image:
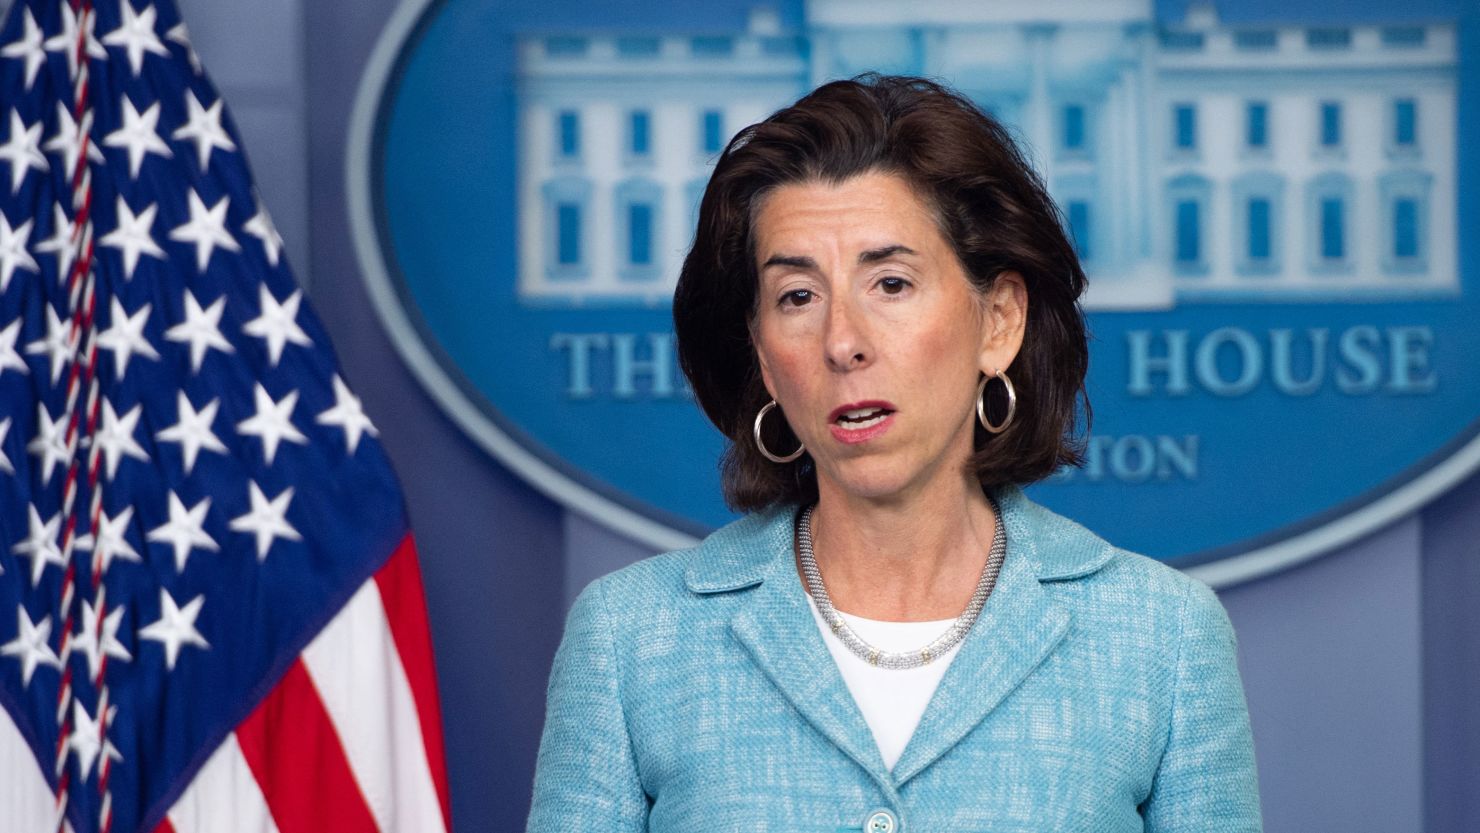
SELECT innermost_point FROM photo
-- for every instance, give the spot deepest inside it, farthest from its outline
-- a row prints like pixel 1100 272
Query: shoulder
pixel 1095 577
pixel 1143 591
pixel 738 555
pixel 1169 637
pixel 1136 606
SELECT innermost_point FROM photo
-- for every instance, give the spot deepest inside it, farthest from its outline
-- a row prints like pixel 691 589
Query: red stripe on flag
pixel 404 601
pixel 295 755
pixel 164 826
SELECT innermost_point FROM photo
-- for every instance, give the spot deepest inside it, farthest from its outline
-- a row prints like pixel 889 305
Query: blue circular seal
pixel 1281 305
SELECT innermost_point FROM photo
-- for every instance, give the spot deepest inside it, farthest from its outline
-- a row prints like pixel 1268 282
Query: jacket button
pixel 880 821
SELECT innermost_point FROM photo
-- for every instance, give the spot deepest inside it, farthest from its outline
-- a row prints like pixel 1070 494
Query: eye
pixel 893 285
pixel 797 298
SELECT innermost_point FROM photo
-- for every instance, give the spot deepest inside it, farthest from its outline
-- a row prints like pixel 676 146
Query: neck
pixel 914 557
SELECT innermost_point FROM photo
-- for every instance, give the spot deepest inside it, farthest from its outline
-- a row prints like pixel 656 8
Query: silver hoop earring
pixel 761 445
pixel 981 402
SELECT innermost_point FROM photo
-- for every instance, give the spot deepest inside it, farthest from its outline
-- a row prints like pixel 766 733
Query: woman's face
pixel 869 335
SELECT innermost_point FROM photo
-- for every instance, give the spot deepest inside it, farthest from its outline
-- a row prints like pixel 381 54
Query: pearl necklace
pixel 902 659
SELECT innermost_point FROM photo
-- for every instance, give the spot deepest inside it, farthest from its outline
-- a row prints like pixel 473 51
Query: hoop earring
pixel 761 445
pixel 981 402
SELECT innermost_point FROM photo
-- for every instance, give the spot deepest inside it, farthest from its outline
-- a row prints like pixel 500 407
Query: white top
pixel 892 700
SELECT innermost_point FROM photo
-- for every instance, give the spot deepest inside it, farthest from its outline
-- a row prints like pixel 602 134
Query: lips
pixel 858 422
pixel 855 413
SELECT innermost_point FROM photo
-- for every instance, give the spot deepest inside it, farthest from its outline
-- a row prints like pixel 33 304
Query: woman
pixel 880 311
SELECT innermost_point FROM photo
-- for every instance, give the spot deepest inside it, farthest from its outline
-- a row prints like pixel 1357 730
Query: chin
pixel 869 479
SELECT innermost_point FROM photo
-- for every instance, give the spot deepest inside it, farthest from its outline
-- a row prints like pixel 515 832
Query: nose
pixel 846 344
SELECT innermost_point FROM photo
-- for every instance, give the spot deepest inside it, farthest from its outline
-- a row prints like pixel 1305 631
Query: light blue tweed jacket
pixel 1098 691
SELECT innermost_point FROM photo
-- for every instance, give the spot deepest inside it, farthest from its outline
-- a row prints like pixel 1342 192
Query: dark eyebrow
pixel 884 253
pixel 870 256
pixel 794 261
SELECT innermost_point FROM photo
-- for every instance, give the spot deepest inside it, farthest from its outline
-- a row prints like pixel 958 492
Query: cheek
pixel 943 361
pixel 784 355
pixel 944 344
pixel 787 375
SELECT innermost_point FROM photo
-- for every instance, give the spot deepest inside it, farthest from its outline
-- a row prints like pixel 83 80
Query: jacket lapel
pixel 1018 627
pixel 776 626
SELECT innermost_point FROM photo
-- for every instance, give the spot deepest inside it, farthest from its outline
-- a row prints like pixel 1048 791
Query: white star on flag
pixel 8 357
pixel 59 343
pixel 175 627
pixel 139 135
pixel 65 41
pixel 347 414
pixel 180 34
pixel 32 645
pixel 132 236
pixel 261 227
pixel 116 437
pixel 201 328
pixel 86 740
pixel 206 229
pixel 126 336
pixel 273 422
pixel 124 169
pixel 193 430
pixel 278 323
pixel 5 464
pixel 50 443
pixel 97 642
pixel 68 139
pixel 23 150
pixel 109 542
pixel 185 530
pixel 204 128
pixel 136 34
pixel 28 48
pixel 41 544
pixel 60 242
pixel 267 519
pixel 13 254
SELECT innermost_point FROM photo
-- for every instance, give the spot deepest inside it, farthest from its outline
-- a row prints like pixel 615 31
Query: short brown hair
pixel 990 206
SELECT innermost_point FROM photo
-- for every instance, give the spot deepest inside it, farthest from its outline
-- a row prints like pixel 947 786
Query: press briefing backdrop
pixel 490 200
pixel 1266 213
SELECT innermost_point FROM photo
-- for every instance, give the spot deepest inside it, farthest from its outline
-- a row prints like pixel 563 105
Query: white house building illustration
pixel 1194 163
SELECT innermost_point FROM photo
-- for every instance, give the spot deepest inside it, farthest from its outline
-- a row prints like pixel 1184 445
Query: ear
pixel 1004 321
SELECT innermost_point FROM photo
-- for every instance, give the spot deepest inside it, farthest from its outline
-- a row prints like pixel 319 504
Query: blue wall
pixel 1362 668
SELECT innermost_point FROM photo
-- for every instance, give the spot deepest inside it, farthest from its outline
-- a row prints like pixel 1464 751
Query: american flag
pixel 211 615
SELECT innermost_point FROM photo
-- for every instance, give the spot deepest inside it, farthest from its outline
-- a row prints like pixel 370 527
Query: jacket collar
pixel 1016 631
pixel 1019 626
pixel 740 555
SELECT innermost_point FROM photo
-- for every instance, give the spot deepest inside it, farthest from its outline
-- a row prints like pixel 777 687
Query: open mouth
pixel 860 418
pixel 858 422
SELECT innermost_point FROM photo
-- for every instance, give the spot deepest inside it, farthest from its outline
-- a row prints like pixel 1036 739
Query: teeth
pixel 863 418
